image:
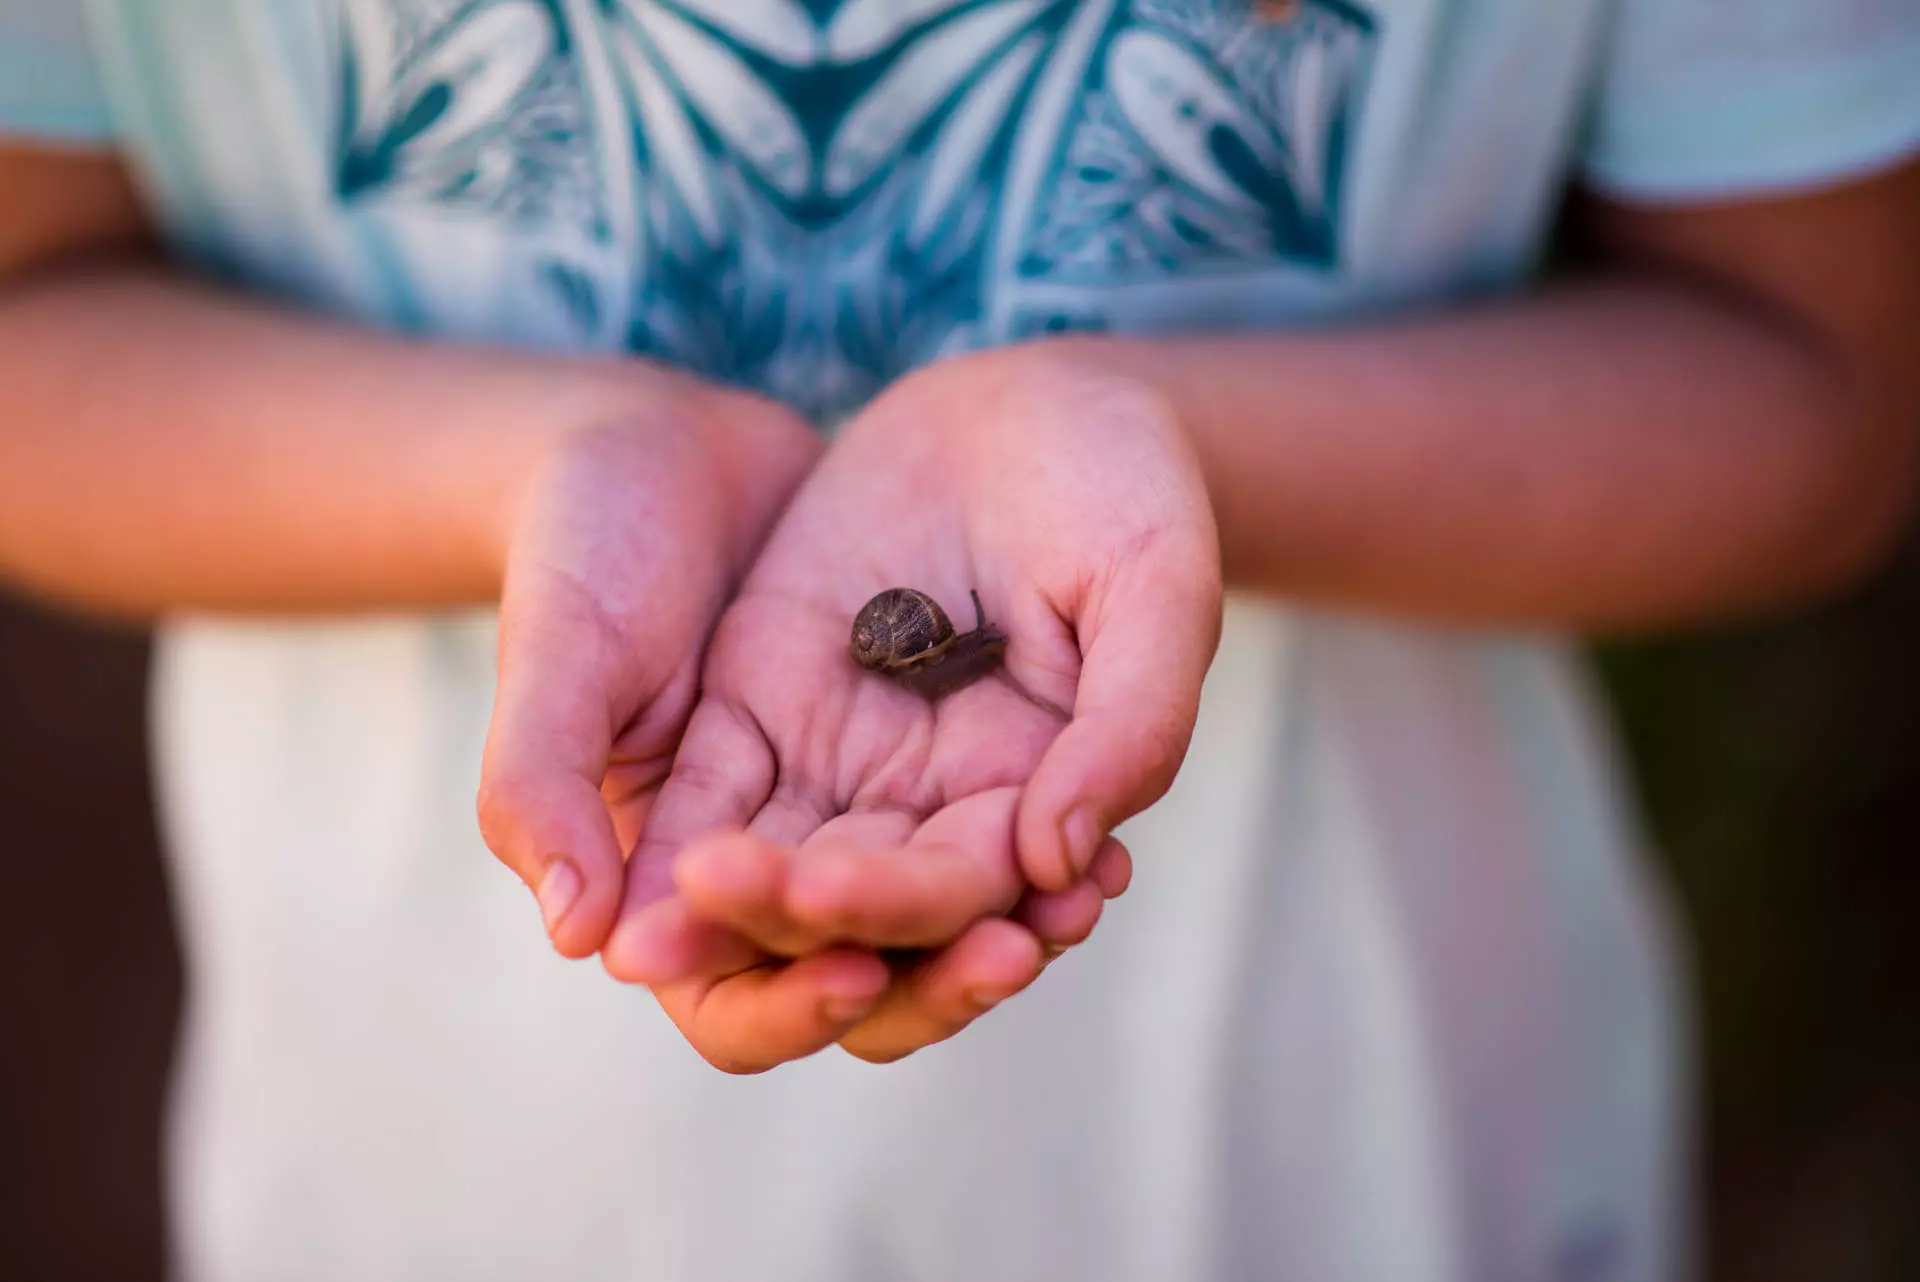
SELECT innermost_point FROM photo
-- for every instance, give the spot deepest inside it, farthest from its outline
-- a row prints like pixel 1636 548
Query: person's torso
pixel 811 197
pixel 1277 1044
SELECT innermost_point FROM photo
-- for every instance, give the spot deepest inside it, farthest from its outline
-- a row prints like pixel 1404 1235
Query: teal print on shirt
pixel 830 192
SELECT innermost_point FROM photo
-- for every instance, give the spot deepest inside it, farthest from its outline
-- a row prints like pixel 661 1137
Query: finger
pixel 771 1014
pixel 991 962
pixel 1062 919
pixel 740 880
pixel 955 869
pixel 721 776
pixel 667 942
pixel 1112 869
pixel 737 881
pixel 1147 649
pixel 540 807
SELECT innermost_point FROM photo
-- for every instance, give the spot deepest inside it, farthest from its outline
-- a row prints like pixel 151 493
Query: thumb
pixel 540 807
pixel 1146 650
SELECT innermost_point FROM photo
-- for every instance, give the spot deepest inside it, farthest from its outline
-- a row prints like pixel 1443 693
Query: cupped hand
pixel 621 550
pixel 817 811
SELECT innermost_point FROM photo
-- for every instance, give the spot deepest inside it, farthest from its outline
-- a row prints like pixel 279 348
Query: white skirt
pixel 1391 1000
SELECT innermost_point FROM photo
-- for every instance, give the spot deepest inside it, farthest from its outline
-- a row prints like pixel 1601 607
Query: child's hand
pixel 1073 503
pixel 623 549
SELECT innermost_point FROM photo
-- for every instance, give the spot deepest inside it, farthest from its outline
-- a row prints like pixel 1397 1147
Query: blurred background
pixel 1779 764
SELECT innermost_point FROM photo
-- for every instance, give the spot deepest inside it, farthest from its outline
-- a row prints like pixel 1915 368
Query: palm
pixel 843 740
pixel 838 757
pixel 874 813
pixel 625 546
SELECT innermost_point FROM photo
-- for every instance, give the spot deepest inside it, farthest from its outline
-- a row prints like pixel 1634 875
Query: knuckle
pixel 498 807
pixel 1166 741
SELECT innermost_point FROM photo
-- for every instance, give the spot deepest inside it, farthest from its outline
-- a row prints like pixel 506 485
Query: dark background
pixel 1780 765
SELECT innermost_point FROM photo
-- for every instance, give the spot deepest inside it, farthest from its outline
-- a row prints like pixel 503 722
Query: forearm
pixel 164 446
pixel 1613 454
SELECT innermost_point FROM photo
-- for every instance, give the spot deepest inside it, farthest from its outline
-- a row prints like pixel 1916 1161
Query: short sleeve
pixel 48 87
pixel 1698 99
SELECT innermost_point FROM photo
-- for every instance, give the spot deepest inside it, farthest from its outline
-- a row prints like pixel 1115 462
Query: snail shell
pixel 900 628
pixel 905 635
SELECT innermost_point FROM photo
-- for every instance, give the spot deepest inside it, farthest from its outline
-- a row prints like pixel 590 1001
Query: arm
pixel 165 446
pixel 1718 413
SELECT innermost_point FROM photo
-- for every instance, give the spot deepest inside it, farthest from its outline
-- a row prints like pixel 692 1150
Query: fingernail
pixel 1082 837
pixel 559 889
pixel 1054 952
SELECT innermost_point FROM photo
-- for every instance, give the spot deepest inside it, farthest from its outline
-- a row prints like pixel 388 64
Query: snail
pixel 905 635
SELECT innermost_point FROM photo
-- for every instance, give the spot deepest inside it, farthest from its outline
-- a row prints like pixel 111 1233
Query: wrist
pixel 1069 378
pixel 651 424
pixel 760 452
pixel 1169 383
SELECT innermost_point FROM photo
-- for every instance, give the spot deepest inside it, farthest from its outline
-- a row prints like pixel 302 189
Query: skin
pixel 1731 429
pixel 610 508
pixel 849 807
pixel 1715 415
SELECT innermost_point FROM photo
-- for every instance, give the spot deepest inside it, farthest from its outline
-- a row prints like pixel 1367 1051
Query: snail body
pixel 904 634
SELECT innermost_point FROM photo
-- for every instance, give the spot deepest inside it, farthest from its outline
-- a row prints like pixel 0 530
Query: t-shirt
pixel 1392 996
